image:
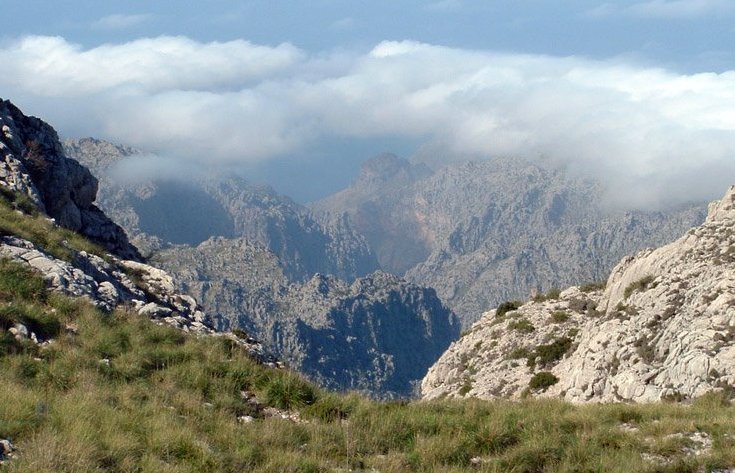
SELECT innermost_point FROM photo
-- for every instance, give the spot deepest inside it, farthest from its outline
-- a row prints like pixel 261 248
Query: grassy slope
pixel 169 402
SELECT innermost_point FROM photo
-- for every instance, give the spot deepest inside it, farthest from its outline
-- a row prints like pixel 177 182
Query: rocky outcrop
pixel 32 161
pixel 378 334
pixel 191 209
pixel 111 283
pixel 34 169
pixel 664 327
pixel 484 232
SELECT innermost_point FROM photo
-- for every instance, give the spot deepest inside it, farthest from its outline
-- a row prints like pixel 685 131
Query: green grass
pixel 117 393
pixel 20 218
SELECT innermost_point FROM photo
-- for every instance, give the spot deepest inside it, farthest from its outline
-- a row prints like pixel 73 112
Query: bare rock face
pixel 33 162
pixel 664 327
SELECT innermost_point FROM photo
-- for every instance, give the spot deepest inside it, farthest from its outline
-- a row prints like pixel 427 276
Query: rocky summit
pixel 662 328
pixel 32 162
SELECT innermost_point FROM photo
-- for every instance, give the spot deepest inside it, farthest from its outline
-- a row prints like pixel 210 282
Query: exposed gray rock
pixel 484 232
pixel 108 285
pixel 32 161
pixel 6 450
pixel 663 328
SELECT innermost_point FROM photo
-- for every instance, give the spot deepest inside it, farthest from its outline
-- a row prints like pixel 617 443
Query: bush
pixel 640 285
pixel 551 352
pixel 542 381
pixel 593 286
pixel 522 325
pixel 559 316
pixel 506 307
pixel 518 353
pixel 552 295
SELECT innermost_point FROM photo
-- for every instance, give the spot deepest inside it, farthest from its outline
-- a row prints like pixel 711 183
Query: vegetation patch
pixel 550 353
pixel 521 325
pixel 552 295
pixel 559 316
pixel 593 286
pixel 519 353
pixel 642 284
pixel 506 307
pixel 36 228
pixel 542 380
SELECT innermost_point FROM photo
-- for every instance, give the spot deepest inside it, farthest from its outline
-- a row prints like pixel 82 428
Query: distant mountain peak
pixel 388 167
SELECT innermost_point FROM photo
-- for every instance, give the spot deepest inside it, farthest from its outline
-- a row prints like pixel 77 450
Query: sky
pixel 639 94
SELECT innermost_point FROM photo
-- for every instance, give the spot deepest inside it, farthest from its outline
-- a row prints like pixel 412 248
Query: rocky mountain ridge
pixel 162 211
pixel 275 271
pixel 663 328
pixel 378 334
pixel 487 231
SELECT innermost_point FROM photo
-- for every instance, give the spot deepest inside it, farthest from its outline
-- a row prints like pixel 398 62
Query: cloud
pixel 667 9
pixel 657 136
pixel 120 22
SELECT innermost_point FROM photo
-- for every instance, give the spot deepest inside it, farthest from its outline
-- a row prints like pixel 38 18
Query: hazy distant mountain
pixel 258 261
pixel 484 232
pixel 379 334
pixel 191 210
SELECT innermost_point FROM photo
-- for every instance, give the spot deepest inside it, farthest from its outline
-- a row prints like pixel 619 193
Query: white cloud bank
pixel 655 136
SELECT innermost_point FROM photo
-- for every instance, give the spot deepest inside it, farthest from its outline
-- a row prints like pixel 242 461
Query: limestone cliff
pixel 32 161
pixel 664 327
pixel 38 181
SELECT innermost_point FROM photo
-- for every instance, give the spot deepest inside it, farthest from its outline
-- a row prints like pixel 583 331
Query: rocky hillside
pixel 191 209
pixel 484 232
pixel 663 328
pixel 378 334
pixel 32 162
pixel 38 181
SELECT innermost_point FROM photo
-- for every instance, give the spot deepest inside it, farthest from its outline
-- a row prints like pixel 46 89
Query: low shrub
pixel 522 325
pixel 559 316
pixel 542 381
pixel 642 284
pixel 506 307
